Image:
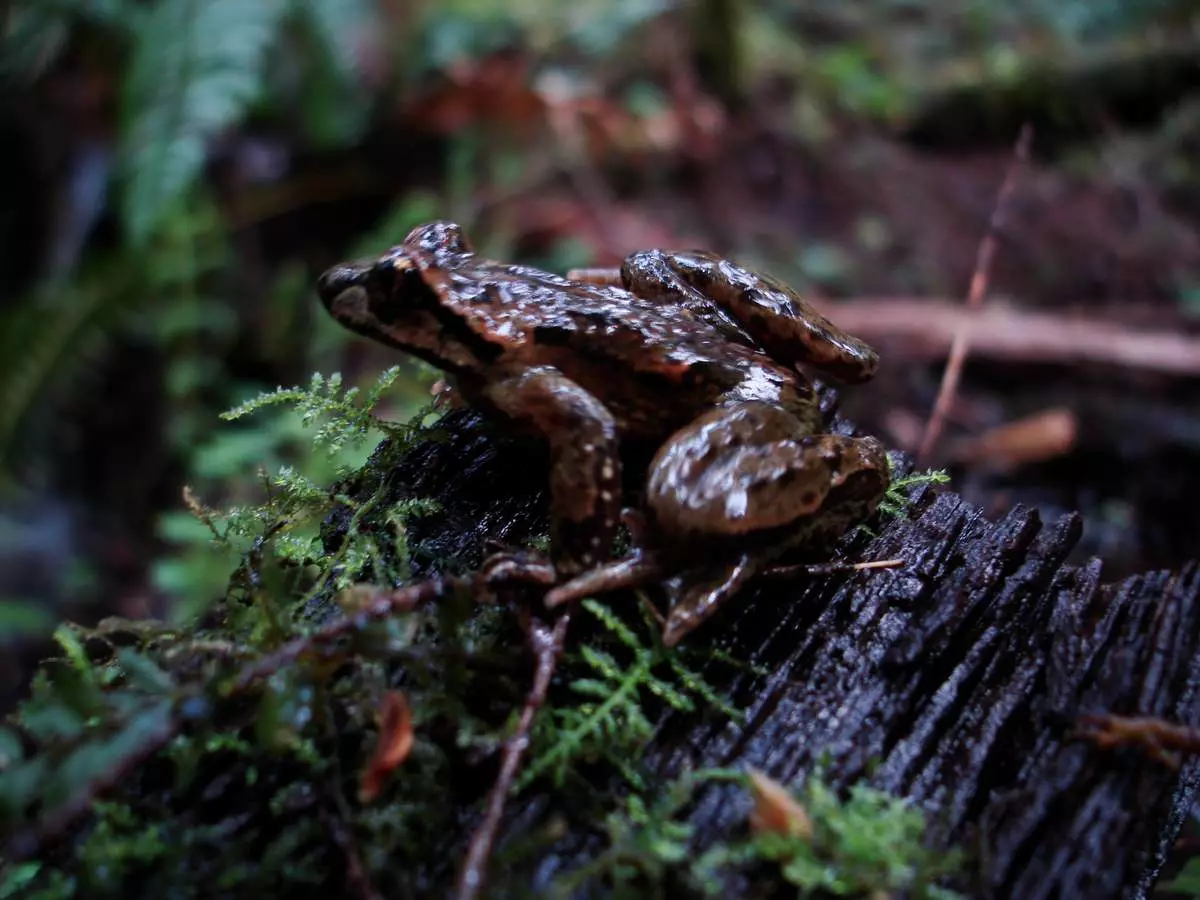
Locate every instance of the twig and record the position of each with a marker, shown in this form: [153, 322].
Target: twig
[831, 568]
[403, 599]
[1046, 434]
[979, 283]
[358, 882]
[923, 329]
[547, 645]
[1159, 739]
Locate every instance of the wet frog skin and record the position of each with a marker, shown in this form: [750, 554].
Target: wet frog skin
[690, 354]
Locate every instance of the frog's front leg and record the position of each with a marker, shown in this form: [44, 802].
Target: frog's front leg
[585, 474]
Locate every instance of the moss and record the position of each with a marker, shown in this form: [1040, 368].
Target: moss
[228, 752]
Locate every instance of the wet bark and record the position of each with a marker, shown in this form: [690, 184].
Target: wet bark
[955, 681]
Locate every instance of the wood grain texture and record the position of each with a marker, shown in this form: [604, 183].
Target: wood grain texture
[954, 681]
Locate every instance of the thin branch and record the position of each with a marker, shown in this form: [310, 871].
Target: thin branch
[403, 599]
[979, 283]
[547, 645]
[923, 329]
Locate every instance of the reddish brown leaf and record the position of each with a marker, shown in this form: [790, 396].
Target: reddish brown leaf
[392, 748]
[776, 810]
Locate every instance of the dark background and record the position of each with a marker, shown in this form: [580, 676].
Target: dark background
[175, 175]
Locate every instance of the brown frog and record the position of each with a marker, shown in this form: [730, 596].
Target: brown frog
[691, 354]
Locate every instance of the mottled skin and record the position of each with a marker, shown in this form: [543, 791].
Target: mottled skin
[693, 355]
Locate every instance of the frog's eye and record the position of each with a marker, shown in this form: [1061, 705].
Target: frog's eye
[393, 271]
[394, 283]
[439, 237]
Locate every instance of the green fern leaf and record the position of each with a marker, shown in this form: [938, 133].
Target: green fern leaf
[196, 68]
[338, 25]
[669, 693]
[602, 661]
[611, 622]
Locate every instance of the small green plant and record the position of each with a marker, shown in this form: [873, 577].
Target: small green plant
[896, 499]
[867, 844]
[342, 419]
[608, 720]
[649, 841]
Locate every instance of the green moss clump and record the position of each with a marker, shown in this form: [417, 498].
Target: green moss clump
[224, 756]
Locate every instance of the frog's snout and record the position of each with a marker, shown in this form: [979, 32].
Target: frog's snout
[336, 281]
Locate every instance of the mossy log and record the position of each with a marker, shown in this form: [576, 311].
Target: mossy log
[957, 680]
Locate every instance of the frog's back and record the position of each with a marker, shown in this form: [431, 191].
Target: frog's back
[526, 310]
[654, 366]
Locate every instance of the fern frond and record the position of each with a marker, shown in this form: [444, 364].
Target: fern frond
[896, 498]
[345, 421]
[612, 623]
[197, 65]
[612, 721]
[43, 338]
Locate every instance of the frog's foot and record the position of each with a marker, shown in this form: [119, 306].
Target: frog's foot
[693, 596]
[516, 569]
[698, 594]
[636, 570]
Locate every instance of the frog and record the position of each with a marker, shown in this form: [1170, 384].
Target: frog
[683, 352]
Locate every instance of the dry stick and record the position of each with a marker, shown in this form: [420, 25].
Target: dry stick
[357, 879]
[832, 568]
[979, 283]
[405, 599]
[546, 646]
[924, 329]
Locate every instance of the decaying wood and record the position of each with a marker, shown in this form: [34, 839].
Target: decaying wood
[957, 681]
[1005, 692]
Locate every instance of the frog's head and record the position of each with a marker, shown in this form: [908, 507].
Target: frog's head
[394, 298]
[396, 276]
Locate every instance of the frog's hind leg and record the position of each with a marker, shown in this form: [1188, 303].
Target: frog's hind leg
[585, 466]
[693, 596]
[750, 472]
[751, 306]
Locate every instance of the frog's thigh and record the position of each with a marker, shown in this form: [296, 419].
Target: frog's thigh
[721, 479]
[585, 476]
[778, 318]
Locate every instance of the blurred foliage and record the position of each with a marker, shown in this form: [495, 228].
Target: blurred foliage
[177, 270]
[866, 844]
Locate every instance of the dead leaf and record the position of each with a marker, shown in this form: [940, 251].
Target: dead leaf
[1045, 435]
[776, 810]
[393, 746]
